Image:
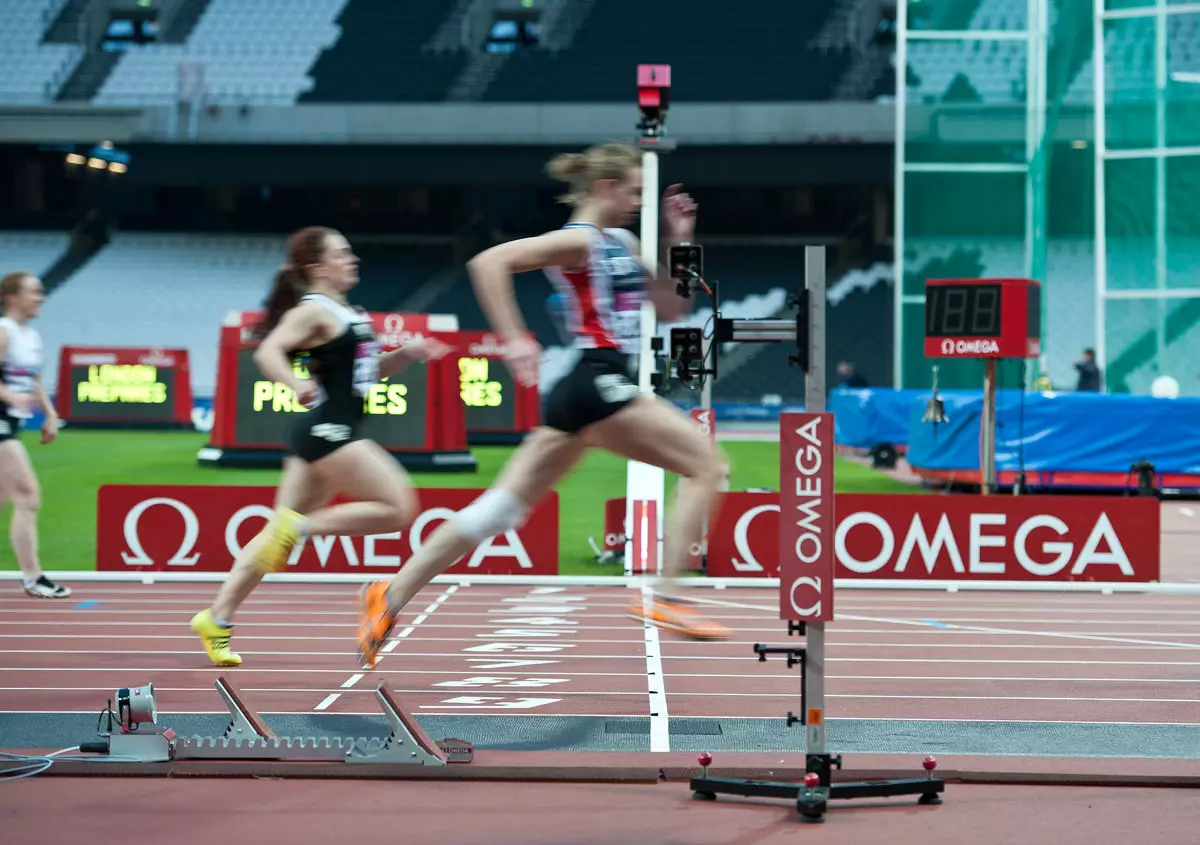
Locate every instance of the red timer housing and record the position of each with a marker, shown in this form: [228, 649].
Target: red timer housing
[983, 318]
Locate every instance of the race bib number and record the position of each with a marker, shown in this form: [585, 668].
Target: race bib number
[366, 366]
[627, 316]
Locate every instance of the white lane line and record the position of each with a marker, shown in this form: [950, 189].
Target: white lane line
[990, 630]
[391, 646]
[656, 683]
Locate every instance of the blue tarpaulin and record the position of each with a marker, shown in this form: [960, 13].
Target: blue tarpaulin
[865, 417]
[1068, 432]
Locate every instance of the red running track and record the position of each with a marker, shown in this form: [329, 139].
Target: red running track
[191, 810]
[487, 650]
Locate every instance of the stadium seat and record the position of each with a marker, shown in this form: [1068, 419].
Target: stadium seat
[33, 252]
[30, 71]
[160, 290]
[256, 53]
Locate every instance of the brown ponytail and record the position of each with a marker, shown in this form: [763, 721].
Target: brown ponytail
[305, 248]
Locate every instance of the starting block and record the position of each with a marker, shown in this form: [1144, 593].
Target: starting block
[248, 737]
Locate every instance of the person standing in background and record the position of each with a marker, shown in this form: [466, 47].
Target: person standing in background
[1089, 373]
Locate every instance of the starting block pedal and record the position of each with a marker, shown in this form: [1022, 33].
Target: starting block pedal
[249, 737]
[408, 742]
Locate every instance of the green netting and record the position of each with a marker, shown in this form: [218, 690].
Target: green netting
[966, 104]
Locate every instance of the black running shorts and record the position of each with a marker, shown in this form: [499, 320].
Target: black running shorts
[317, 435]
[10, 427]
[600, 383]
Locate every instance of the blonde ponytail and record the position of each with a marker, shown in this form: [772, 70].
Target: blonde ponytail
[611, 160]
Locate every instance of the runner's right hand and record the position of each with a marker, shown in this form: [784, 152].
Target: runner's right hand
[307, 392]
[523, 355]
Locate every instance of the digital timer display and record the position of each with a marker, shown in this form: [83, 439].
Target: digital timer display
[982, 318]
[966, 311]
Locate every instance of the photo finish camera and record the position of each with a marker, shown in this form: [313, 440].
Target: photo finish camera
[654, 98]
[687, 350]
[687, 266]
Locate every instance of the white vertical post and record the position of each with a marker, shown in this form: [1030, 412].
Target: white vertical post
[644, 482]
[1101, 149]
[898, 177]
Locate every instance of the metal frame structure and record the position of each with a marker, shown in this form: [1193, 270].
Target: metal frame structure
[813, 794]
[1160, 152]
[1035, 110]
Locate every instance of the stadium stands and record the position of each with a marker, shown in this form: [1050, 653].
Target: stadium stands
[379, 57]
[30, 71]
[256, 53]
[731, 52]
[174, 290]
[161, 291]
[995, 71]
[34, 252]
[1130, 72]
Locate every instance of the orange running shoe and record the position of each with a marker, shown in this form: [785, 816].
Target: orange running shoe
[677, 615]
[375, 621]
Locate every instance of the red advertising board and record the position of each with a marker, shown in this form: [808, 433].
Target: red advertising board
[614, 525]
[124, 386]
[955, 538]
[201, 528]
[806, 521]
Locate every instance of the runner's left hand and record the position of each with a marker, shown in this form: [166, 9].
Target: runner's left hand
[49, 430]
[431, 349]
[679, 213]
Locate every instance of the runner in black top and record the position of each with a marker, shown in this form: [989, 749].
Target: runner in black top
[307, 310]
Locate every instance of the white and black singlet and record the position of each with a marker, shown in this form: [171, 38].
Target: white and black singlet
[19, 369]
[601, 304]
[346, 368]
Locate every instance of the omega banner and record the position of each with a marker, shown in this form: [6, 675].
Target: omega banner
[201, 528]
[952, 538]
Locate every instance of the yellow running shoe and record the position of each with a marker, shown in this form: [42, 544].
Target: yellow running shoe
[677, 615]
[375, 621]
[275, 542]
[215, 639]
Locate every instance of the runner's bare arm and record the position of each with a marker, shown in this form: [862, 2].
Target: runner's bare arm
[43, 399]
[301, 326]
[492, 270]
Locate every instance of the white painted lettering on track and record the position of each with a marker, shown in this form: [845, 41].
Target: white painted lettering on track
[519, 625]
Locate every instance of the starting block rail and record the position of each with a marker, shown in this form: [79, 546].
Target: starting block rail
[248, 737]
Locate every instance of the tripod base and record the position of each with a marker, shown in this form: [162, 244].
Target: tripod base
[811, 802]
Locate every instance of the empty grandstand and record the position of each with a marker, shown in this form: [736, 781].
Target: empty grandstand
[32, 71]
